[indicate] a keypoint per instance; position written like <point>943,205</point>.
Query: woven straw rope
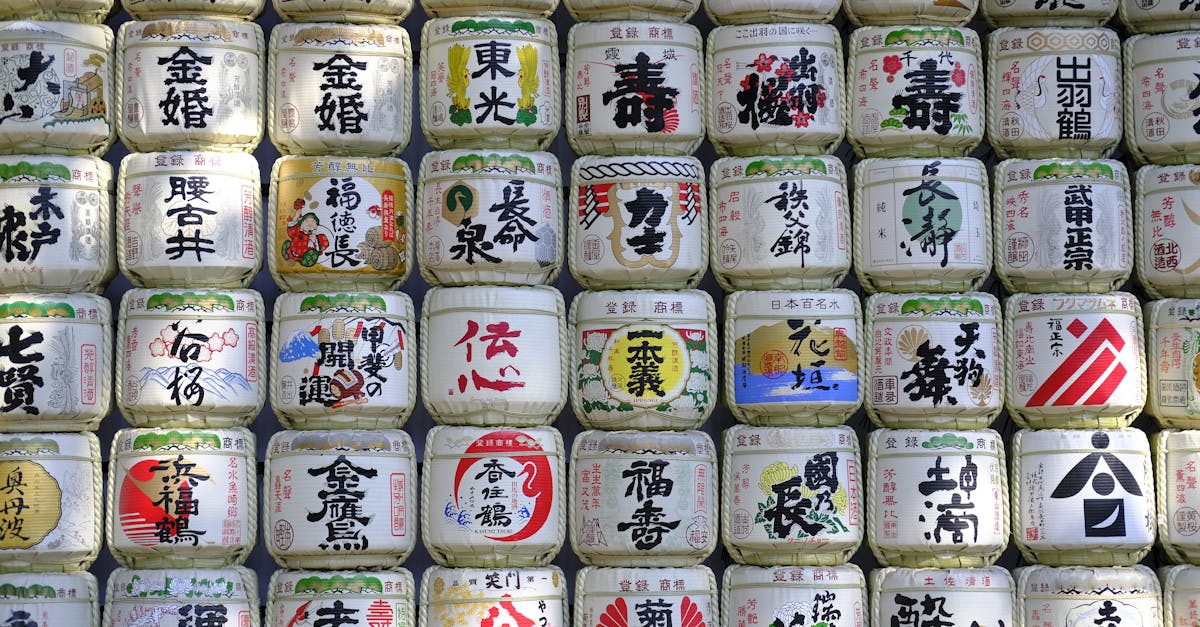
<point>813,555</point>
<point>509,416</point>
<point>49,10</point>
<point>999,16</point>
<point>248,578</point>
<point>198,279</point>
<point>166,9</point>
<point>404,600</point>
<point>489,8</point>
<point>497,557</point>
<point>795,413</point>
<point>500,276</point>
<point>151,143</point>
<point>914,558</point>
<point>387,558</point>
<point>167,556</point>
<point>588,169</point>
<point>437,572</point>
<point>613,10</point>
<point>775,11</point>
<point>1089,556</point>
<point>899,12</point>
<point>366,417</point>
<point>647,418</point>
<point>344,281</point>
<point>354,11</point>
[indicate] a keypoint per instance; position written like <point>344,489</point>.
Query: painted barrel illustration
<point>753,596</point>
<point>726,12</point>
<point>1173,362</point>
<point>886,12</point>
<point>686,597</point>
<point>340,223</point>
<point>86,11</point>
<point>188,596</point>
<point>58,224</point>
<point>1062,225</point>
<point>182,498</point>
<point>645,498</point>
<point>1162,127</point>
<point>340,498</point>
<point>378,598</point>
<point>638,222</point>
<point>791,496</point>
<point>937,360</point>
<point>984,595</point>
<point>1038,13</point>
<point>55,599</point>
<point>643,359</point>
<point>60,84</point>
<point>57,362</point>
<point>190,219</point>
<point>1074,594</point>
<point>52,506</point>
<point>1083,497</point>
<point>191,358</point>
<point>1147,16</point>
<point>937,498</point>
<point>190,85</point>
<point>343,360</point>
<point>1074,361</point>
<point>489,217</point>
<point>1176,458</point>
<point>494,497</point>
<point>494,355</point>
<point>452,597</point>
<point>1163,237</point>
<point>339,89</point>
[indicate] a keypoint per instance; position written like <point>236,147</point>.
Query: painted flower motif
<point>958,76</point>
<point>785,71</point>
<point>589,371</point>
<point>891,65</point>
<point>821,97</point>
<point>802,118</point>
<point>764,62</point>
<point>745,84</point>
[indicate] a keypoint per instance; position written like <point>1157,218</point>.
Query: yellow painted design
<point>30,504</point>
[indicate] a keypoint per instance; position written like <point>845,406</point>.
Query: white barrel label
<point>49,500</point>
<point>786,596</point>
<point>52,357</point>
<point>1168,227</point>
<point>946,597</point>
<point>1180,496</point>
<point>683,597</point>
<point>340,599</point>
<point>182,598</point>
<point>521,597</point>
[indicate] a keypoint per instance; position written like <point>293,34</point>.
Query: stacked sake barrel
<point>182,511</point>
<point>1161,136</point>
<point>56,255</point>
<point>340,512</point>
<point>493,330</point>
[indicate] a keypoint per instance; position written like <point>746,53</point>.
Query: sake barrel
<point>922,224</point>
<point>937,498</point>
<point>937,360</point>
<point>674,596</point>
<point>643,498</point>
<point>1075,594</point>
<point>518,8</point>
<point>62,98</point>
<point>339,89</point>
<point>599,10</point>
<point>1157,70</point>
<point>1082,497</point>
<point>191,596</point>
<point>1153,16</point>
<point>493,356</point>
<point>87,11</point>
<point>1181,595</point>
<point>779,222</point>
<point>886,12</point>
<point>1053,13</point>
<point>639,222</point>
<point>1162,236</point>
<point>57,362</point>
<point>226,9</point>
<point>182,498</point>
<point>353,11</point>
<point>50,599</point>
<point>1055,92</point>
<point>344,360</point>
<point>53,512</point>
<point>340,498</point>
<point>1176,457</point>
<point>775,89</point>
<point>190,84</point>
<point>793,358</point>
<point>791,496</point>
<point>1074,361</point>
<point>451,597</point>
<point>58,224</point>
<point>490,217</point>
<point>919,91</point>
<point>490,82</point>
<point>752,596</point>
<point>726,12</point>
<point>494,498</point>
<point>986,596</point>
<point>1173,384</point>
<point>1062,225</point>
<point>340,223</point>
<point>378,598</point>
<point>646,97</point>
<point>643,359</point>
<point>193,359</point>
<point>190,219</point>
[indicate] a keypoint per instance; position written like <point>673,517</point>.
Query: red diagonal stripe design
<point>1107,388</point>
<point>1086,379</point>
<point>1076,360</point>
